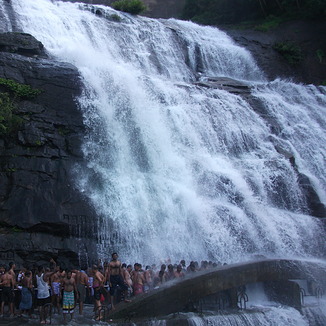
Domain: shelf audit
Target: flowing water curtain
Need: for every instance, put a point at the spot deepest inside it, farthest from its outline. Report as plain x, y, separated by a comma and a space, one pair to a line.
281, 316
175, 170
300, 114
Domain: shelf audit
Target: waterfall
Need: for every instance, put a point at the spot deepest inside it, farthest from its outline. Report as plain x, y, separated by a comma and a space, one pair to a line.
176, 170
272, 316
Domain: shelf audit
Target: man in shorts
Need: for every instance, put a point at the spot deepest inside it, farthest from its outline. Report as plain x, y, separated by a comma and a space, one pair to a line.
82, 284
7, 282
43, 292
69, 295
115, 275
55, 286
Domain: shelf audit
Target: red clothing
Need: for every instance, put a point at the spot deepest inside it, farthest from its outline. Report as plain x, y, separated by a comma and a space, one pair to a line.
138, 289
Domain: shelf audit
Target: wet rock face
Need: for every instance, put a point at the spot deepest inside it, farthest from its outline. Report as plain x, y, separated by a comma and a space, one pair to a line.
21, 43
307, 36
41, 211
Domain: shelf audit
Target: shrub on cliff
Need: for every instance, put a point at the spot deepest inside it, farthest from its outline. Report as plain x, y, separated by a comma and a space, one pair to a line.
133, 7
9, 121
21, 90
290, 51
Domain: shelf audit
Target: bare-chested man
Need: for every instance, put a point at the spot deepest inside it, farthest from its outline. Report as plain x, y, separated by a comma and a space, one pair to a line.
179, 272
69, 292
126, 274
170, 273
116, 278
162, 274
106, 272
148, 275
12, 267
138, 279
56, 279
7, 282
26, 301
82, 284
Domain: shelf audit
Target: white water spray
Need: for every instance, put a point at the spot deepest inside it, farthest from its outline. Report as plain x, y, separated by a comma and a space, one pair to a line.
177, 170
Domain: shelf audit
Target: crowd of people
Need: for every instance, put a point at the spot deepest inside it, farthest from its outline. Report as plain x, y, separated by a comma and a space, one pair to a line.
52, 289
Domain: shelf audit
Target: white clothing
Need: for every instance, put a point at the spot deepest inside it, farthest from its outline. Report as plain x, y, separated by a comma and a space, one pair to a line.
42, 288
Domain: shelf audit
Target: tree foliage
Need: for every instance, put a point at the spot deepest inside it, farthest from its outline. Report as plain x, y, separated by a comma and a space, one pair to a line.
290, 51
235, 11
133, 7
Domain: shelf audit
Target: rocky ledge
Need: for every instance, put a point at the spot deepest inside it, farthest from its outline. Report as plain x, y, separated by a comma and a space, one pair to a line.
305, 38
42, 214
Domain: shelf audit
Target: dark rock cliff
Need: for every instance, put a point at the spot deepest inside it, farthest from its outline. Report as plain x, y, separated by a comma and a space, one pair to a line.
42, 214
307, 37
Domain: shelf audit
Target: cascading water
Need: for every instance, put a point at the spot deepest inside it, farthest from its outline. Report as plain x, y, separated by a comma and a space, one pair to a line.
181, 171
176, 170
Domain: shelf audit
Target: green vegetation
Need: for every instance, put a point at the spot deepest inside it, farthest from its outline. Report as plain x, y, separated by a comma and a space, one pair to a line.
115, 18
8, 120
290, 51
10, 228
269, 23
63, 131
268, 12
10, 170
133, 7
16, 229
321, 55
38, 142
21, 90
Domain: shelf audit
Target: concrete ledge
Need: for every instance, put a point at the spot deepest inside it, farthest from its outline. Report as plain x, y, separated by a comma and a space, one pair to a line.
174, 296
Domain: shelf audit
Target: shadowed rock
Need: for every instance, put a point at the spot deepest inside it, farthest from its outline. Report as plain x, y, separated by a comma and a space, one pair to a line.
41, 210
21, 43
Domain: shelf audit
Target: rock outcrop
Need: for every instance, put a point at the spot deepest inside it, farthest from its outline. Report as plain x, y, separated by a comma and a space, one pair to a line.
308, 37
42, 214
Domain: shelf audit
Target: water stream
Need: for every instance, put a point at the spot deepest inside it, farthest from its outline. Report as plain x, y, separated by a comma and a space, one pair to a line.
180, 171
174, 169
